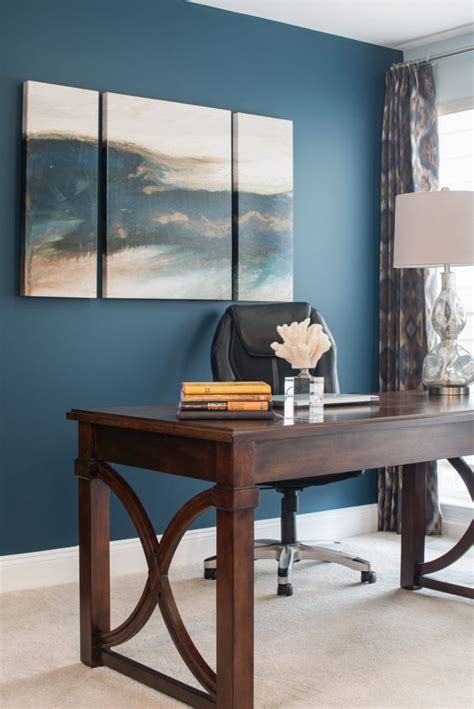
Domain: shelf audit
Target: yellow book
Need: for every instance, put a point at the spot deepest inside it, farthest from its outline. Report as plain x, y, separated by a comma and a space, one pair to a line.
226, 397
225, 388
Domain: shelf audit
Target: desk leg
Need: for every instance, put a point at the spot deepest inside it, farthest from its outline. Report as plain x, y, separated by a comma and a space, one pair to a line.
413, 523
93, 566
235, 608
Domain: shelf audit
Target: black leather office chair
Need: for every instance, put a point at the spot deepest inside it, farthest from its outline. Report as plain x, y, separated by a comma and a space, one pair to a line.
241, 351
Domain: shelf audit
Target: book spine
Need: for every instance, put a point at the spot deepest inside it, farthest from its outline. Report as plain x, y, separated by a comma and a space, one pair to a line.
262, 415
198, 398
225, 388
226, 406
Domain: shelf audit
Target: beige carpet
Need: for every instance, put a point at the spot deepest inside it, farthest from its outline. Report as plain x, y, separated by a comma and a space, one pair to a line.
334, 643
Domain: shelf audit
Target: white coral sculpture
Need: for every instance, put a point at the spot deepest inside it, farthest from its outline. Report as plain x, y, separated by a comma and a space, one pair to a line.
303, 344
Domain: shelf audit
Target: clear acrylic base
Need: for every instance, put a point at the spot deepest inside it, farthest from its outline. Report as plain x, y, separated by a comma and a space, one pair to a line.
304, 398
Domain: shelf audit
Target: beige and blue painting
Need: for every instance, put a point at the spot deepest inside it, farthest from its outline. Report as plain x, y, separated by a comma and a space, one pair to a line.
263, 208
60, 133
168, 194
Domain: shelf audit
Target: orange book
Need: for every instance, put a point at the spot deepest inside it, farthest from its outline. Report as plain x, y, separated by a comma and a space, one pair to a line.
225, 388
226, 406
225, 397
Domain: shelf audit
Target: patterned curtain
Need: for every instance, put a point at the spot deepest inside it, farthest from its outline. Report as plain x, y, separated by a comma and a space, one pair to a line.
409, 164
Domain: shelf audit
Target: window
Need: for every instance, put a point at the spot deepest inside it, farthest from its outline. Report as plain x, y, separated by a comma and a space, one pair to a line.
456, 152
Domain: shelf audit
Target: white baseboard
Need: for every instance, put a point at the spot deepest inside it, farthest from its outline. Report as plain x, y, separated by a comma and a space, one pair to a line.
57, 566
456, 519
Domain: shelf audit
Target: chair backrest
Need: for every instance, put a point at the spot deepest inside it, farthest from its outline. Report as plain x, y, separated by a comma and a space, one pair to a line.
241, 346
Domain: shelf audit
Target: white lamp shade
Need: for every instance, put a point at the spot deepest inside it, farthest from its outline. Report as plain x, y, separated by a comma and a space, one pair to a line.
434, 228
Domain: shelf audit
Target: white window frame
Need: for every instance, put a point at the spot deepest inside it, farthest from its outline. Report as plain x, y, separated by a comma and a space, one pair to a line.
456, 106
455, 502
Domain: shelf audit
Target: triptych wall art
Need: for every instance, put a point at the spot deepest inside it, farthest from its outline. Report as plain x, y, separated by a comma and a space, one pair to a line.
263, 200
169, 182
195, 203
61, 132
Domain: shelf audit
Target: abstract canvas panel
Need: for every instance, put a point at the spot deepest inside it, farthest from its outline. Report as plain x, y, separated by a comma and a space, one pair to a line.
263, 208
60, 133
168, 195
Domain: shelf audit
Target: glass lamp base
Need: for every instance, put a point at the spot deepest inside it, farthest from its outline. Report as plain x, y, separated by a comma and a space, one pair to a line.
448, 368
448, 365
448, 391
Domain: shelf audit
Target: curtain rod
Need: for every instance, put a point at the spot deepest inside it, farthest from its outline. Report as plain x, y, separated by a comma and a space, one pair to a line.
434, 57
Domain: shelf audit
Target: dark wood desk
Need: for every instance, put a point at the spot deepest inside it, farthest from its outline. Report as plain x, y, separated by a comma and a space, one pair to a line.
407, 428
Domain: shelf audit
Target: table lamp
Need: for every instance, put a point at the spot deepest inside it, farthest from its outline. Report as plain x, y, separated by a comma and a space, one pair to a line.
436, 229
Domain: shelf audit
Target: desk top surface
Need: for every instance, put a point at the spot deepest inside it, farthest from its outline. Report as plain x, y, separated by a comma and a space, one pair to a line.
394, 409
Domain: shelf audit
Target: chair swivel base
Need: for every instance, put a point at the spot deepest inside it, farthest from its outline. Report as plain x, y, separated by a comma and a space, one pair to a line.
288, 554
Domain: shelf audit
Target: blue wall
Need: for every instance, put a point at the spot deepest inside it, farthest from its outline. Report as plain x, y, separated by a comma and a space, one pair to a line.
57, 354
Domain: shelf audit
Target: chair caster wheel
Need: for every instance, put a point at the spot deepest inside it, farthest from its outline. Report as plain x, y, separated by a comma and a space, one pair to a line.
368, 577
285, 589
210, 574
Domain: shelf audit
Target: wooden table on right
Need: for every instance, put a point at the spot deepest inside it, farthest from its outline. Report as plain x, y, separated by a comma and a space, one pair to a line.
234, 457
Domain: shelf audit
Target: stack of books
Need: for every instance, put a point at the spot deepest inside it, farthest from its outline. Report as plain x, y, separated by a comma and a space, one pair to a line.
225, 400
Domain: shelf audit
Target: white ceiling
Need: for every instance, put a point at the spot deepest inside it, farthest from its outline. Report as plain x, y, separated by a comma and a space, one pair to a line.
390, 23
